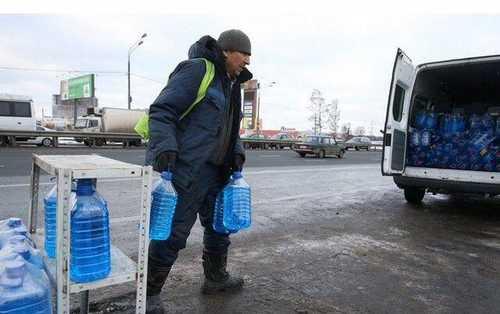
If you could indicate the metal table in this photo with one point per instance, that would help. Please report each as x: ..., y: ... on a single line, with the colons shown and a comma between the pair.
x: 123, y: 269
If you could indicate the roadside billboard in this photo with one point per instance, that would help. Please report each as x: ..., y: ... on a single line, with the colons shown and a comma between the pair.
x: 78, y: 87
x: 249, y: 107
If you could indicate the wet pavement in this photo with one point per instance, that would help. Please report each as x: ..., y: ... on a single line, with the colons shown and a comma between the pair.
x: 332, y: 238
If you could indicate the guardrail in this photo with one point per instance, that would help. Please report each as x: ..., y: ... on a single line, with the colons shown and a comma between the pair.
x: 100, y: 138
x: 89, y: 138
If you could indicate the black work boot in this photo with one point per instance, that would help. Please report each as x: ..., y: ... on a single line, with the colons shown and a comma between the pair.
x: 217, y: 279
x: 156, y: 279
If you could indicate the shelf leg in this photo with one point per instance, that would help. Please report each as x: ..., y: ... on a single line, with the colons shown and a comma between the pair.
x: 142, y: 260
x: 35, y: 185
x: 64, y: 177
x: 84, y: 302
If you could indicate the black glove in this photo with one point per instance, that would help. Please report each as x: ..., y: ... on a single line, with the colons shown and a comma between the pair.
x: 165, y: 161
x: 238, y: 162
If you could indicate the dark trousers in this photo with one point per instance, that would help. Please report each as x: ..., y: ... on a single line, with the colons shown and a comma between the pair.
x: 199, y: 199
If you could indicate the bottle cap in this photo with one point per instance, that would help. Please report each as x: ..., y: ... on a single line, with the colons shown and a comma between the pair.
x: 19, y: 246
x: 14, y: 222
x: 237, y: 175
x: 13, y: 274
x: 21, y: 231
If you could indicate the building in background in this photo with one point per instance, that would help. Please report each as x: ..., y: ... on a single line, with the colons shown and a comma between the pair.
x: 65, y: 109
x: 250, y: 106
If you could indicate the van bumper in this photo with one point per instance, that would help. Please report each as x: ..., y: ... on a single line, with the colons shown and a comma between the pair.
x: 446, y: 186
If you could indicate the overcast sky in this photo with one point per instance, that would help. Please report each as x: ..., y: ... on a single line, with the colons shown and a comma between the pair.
x: 348, y: 57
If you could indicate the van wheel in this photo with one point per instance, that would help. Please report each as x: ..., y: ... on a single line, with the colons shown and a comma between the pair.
x: 414, y: 195
x: 321, y: 154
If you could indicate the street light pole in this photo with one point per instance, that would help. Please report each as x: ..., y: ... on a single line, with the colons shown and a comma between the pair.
x: 130, y: 50
x: 258, y: 103
x: 129, y: 99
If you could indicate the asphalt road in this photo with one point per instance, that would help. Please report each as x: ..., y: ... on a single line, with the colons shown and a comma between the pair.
x: 17, y: 161
x: 328, y: 236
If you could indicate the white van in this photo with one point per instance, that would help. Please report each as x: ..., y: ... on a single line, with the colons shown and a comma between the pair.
x: 17, y: 113
x: 466, y: 86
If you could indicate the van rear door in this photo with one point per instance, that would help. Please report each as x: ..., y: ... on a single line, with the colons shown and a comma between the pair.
x: 396, y: 121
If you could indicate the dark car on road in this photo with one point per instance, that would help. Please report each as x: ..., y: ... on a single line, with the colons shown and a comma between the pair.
x: 358, y: 143
x: 319, y: 146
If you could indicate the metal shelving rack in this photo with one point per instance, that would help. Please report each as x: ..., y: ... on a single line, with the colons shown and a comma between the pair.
x: 123, y: 269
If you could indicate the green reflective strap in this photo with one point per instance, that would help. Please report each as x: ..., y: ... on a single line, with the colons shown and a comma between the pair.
x: 205, y: 83
x: 142, y: 126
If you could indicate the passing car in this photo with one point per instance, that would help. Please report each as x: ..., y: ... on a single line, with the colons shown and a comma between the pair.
x: 45, y: 141
x: 319, y: 146
x: 358, y: 143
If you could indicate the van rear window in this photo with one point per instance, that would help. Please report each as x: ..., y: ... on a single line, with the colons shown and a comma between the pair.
x: 397, y: 105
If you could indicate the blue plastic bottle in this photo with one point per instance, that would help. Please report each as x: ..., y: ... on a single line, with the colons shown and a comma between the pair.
x: 164, y: 201
x: 414, y: 138
x: 23, y: 289
x: 420, y: 120
x: 489, y: 161
x: 218, y: 223
x: 474, y: 122
x: 237, y: 208
x: 50, y: 209
x: 425, y: 139
x: 488, y: 123
x: 90, y: 242
x: 480, y: 141
x: 457, y: 124
x: 431, y: 121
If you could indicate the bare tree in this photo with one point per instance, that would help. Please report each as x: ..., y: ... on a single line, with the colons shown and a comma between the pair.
x: 317, y: 107
x: 332, y: 115
x: 346, y: 129
x: 360, y: 130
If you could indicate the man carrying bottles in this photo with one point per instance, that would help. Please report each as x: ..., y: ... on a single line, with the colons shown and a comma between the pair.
x: 200, y: 144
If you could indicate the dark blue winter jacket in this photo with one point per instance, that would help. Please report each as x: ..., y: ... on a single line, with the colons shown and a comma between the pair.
x: 201, y: 137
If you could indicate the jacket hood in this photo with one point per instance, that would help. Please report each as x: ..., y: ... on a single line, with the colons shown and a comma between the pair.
x: 207, y: 47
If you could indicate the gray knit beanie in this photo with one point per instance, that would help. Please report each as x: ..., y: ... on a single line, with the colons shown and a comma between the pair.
x: 235, y: 40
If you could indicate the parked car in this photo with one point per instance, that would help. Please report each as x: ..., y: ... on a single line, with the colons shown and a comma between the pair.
x: 255, y: 141
x: 39, y: 140
x: 256, y: 136
x: 358, y: 143
x: 320, y: 146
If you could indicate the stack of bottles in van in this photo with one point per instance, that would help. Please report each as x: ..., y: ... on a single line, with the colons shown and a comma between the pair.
x: 24, y: 284
x: 455, y: 141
